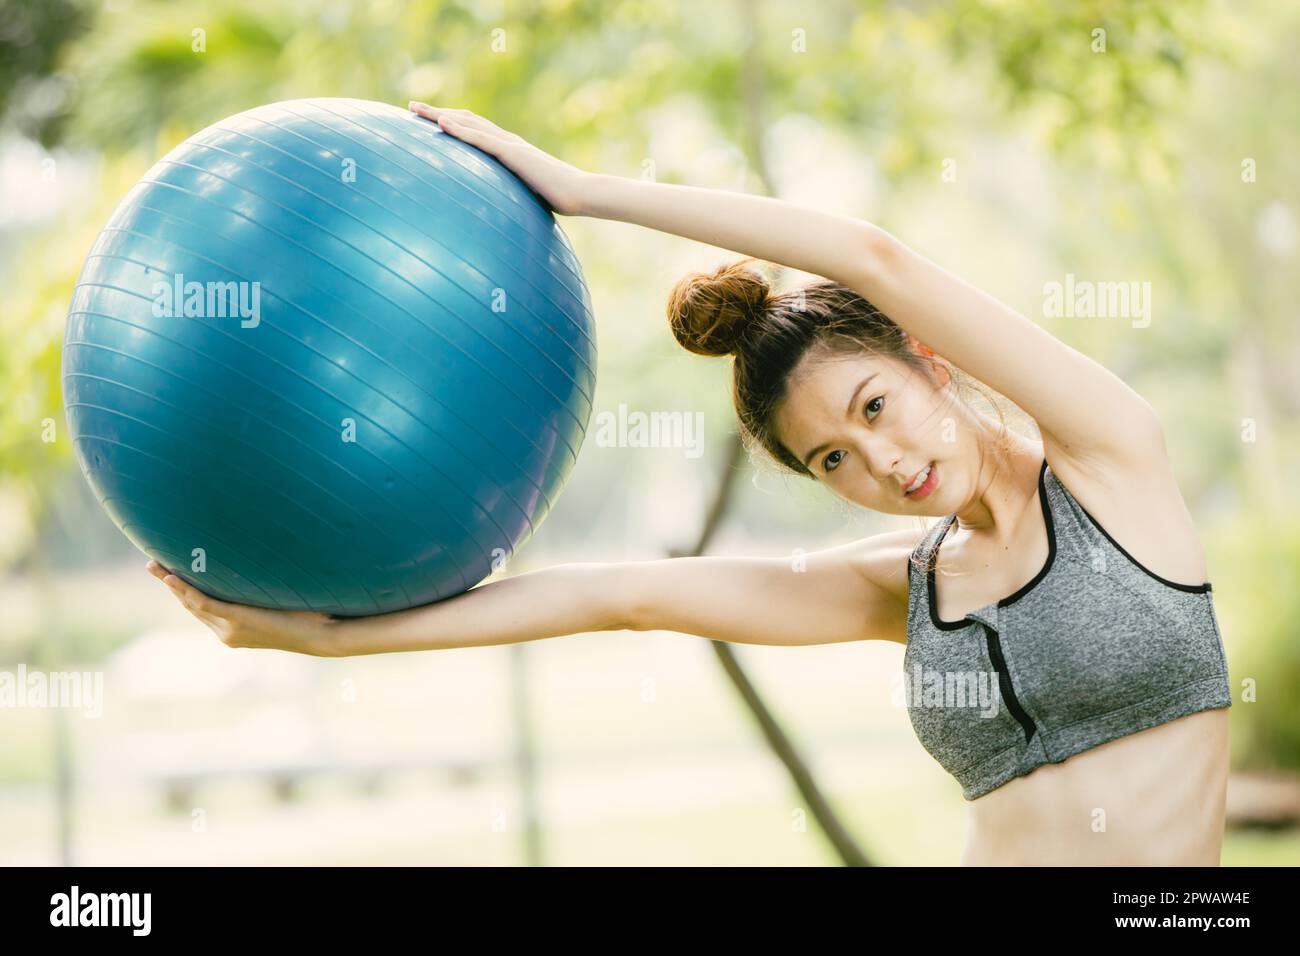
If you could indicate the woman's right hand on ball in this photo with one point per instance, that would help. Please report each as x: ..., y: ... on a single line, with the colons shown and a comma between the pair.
x: 242, y: 625
x: 557, y: 182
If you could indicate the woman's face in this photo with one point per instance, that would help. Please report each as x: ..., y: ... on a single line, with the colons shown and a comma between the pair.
x: 867, y: 425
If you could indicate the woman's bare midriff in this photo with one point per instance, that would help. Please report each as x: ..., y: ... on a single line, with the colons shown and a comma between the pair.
x: 1154, y: 798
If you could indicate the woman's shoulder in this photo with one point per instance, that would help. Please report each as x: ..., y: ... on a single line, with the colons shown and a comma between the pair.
x: 884, y: 558
x: 1135, y: 502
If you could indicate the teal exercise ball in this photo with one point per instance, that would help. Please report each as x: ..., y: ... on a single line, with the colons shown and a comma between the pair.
x: 326, y: 356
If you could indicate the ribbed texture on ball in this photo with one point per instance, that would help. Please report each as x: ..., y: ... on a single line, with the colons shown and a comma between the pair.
x: 407, y: 284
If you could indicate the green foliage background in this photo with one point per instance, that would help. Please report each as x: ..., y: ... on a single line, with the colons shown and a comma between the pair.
x: 1137, y: 152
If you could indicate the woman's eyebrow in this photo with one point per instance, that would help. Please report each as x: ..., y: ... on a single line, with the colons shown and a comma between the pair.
x: 848, y: 411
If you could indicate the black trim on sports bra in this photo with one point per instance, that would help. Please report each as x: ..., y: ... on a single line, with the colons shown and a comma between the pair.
x: 1189, y: 588
x: 1048, y: 524
x: 1008, y: 690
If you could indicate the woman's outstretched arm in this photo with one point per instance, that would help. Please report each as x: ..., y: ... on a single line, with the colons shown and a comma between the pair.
x: 565, y: 599
x: 852, y: 592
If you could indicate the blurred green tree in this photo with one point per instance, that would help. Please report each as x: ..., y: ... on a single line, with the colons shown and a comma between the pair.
x: 1106, y: 89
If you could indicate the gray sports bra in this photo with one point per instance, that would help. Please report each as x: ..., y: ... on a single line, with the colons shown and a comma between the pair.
x: 1093, y: 648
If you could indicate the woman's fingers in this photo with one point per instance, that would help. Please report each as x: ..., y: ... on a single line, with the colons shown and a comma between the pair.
x: 195, y: 601
x: 476, y: 136
x: 437, y: 112
x: 474, y: 121
x: 462, y: 119
x: 456, y: 116
x: 203, y: 606
x: 241, y: 625
x: 444, y: 118
x: 423, y: 109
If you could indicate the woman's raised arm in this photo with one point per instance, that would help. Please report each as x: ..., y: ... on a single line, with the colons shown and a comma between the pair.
x: 1088, y: 413
x: 822, y: 243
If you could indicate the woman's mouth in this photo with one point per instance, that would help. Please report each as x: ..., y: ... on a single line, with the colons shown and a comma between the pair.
x: 923, y: 483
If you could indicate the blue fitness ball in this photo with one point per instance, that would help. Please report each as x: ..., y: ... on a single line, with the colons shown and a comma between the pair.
x: 325, y: 356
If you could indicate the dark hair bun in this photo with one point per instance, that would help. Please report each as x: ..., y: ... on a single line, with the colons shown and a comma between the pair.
x: 710, y: 312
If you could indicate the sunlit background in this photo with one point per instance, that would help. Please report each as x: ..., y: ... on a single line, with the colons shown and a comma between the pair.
x: 1014, y: 142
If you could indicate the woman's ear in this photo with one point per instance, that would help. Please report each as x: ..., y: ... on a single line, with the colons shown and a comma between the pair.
x: 942, y: 363
x: 923, y: 350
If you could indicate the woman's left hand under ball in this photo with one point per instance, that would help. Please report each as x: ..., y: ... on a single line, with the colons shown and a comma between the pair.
x: 242, y: 625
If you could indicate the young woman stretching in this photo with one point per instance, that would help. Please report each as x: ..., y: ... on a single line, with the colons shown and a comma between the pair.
x: 1063, y: 660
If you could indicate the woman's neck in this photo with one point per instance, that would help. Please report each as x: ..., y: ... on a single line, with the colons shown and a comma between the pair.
x: 1005, y: 486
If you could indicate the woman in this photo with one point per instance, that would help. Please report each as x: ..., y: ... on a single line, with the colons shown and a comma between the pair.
x: 1069, y: 673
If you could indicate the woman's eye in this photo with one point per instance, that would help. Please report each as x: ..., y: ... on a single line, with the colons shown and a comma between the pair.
x: 830, y: 462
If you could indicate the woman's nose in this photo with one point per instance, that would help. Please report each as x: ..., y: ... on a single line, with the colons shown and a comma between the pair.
x: 882, y: 463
